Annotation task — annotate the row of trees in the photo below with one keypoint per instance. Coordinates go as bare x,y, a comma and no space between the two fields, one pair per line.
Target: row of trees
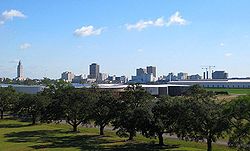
196,116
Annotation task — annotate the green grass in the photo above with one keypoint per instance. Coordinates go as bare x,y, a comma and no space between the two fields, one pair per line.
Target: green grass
20,136
231,90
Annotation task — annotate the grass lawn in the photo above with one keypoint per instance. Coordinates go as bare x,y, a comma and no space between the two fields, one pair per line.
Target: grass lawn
231,90
20,136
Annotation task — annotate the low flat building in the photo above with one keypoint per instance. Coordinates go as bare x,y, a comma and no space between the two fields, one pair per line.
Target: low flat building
33,89
156,90
223,83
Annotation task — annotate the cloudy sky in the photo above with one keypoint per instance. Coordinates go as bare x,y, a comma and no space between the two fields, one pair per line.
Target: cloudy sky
51,37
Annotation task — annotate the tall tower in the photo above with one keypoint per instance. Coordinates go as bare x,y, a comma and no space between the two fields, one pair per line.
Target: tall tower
94,71
20,75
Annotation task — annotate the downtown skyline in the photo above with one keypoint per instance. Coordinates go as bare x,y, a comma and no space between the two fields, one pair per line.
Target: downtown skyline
172,35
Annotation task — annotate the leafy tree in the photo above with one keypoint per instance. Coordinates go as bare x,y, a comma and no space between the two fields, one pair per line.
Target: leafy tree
206,118
165,113
32,106
132,102
55,91
77,105
239,117
104,109
7,98
69,104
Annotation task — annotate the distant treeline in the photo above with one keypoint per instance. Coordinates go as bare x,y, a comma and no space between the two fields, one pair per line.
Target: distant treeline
195,116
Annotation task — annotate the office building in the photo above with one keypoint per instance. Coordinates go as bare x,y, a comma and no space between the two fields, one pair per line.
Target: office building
67,76
77,79
140,72
182,76
219,75
94,71
194,77
103,76
144,75
151,69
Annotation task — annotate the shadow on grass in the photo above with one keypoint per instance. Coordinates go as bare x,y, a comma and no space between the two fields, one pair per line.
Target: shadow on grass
13,125
43,139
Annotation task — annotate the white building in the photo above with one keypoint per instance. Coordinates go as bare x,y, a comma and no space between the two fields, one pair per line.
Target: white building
226,83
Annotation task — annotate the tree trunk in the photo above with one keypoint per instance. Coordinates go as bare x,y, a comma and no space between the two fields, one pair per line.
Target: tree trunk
33,119
160,137
75,127
209,144
1,114
131,135
102,130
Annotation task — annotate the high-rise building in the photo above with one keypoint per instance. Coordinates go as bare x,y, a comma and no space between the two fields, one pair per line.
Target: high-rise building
182,76
151,69
140,72
20,75
171,77
94,71
67,76
219,75
145,75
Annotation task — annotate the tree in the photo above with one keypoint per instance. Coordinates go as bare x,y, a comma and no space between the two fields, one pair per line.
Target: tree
164,116
69,104
131,104
239,116
32,106
104,109
7,98
77,105
206,118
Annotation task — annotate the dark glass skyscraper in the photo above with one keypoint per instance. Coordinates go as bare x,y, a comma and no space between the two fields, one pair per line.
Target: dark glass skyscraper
94,71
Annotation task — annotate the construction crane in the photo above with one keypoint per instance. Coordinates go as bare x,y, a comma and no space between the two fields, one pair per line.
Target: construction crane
208,70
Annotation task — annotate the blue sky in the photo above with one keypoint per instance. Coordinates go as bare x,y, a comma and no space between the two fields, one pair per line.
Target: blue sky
51,37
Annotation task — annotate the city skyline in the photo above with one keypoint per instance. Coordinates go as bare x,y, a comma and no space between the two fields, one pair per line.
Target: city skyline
174,36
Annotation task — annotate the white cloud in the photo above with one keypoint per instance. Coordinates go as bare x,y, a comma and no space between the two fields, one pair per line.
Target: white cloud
159,22
25,46
144,24
139,25
9,15
176,19
87,31
228,54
